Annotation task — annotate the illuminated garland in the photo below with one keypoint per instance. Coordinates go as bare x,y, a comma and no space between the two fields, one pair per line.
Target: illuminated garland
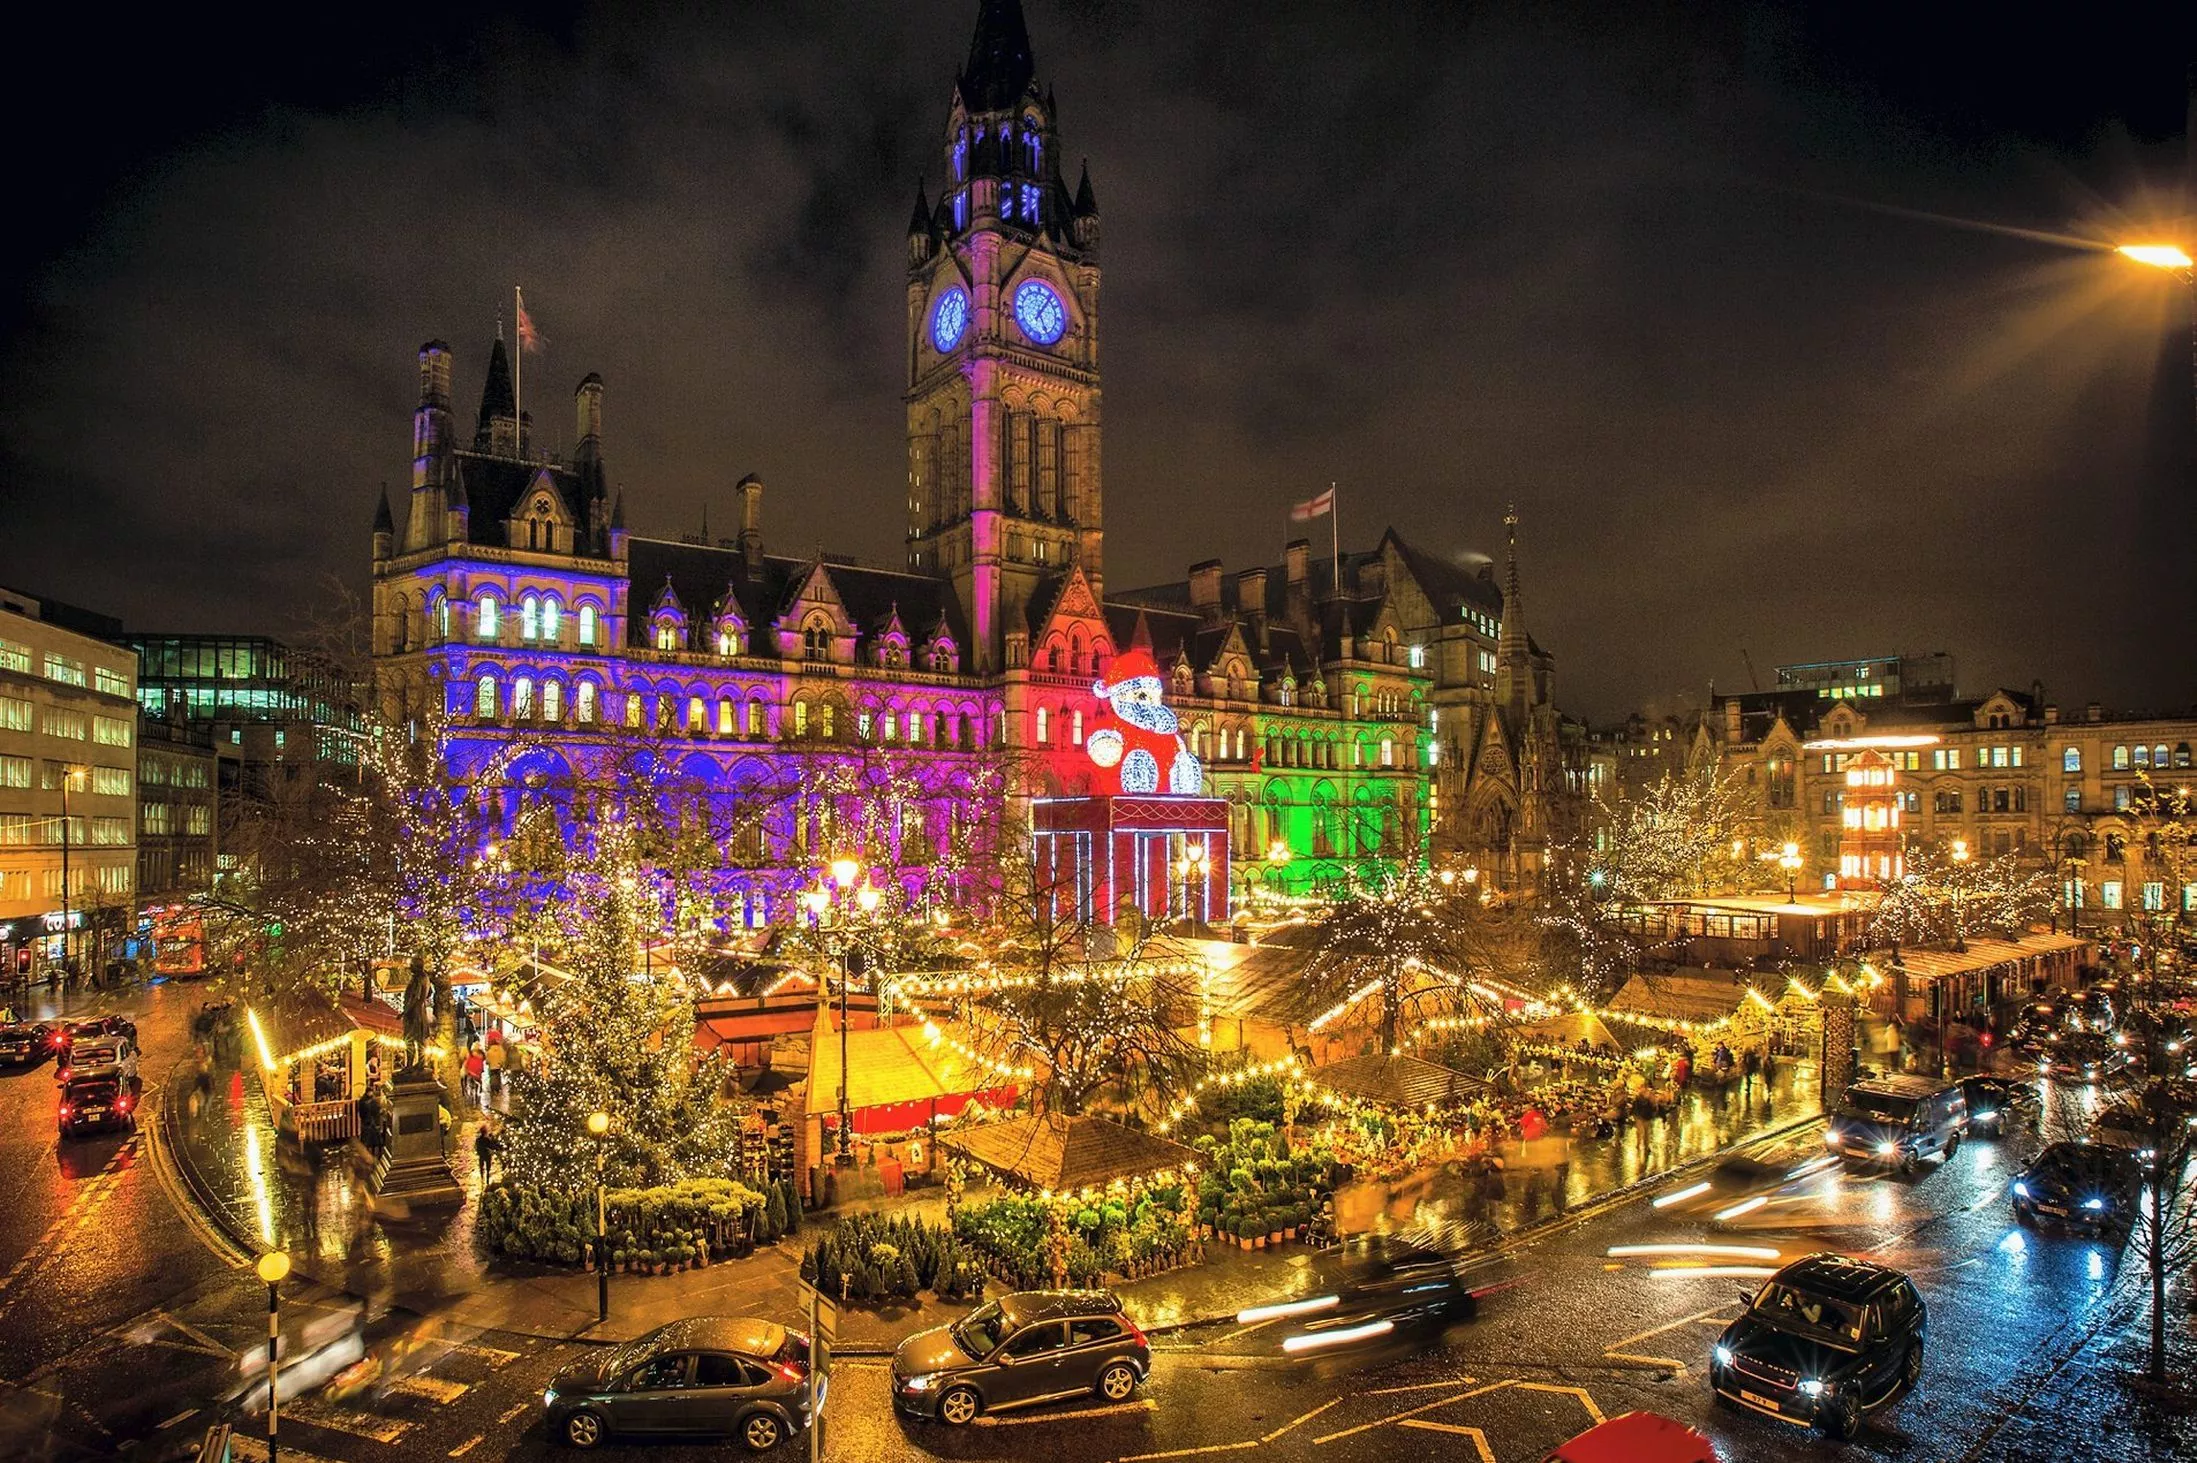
1235,1077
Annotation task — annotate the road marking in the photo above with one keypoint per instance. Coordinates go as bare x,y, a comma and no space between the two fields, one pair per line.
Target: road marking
165,1174
82,1204
184,1416
1579,1392
1479,1438
1672,1363
1307,1417
467,1446
1144,1404
513,1412
254,1450
1417,1387
1365,1427
139,1333
343,1420
434,1389
497,1357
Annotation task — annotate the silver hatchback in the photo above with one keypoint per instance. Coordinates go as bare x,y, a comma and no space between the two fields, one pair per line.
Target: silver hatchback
1029,1347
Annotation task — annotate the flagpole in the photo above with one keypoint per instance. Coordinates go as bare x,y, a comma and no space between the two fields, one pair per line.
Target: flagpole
1335,534
518,407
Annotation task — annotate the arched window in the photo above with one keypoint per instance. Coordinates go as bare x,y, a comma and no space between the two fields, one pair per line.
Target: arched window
552,617
2143,756
667,635
728,642
724,716
522,698
438,617
530,618
697,716
755,721
1075,727
553,701
1041,724
633,711
2159,755
484,616
587,625
915,728
484,698
831,721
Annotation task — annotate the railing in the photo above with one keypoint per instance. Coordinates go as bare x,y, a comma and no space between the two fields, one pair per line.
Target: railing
325,1122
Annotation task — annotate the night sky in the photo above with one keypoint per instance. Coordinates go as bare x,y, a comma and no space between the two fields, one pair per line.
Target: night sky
1687,281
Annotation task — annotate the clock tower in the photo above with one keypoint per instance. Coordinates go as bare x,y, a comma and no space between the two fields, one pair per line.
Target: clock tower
1003,379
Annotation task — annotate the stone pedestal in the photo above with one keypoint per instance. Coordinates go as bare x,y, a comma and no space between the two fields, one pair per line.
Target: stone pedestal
418,1173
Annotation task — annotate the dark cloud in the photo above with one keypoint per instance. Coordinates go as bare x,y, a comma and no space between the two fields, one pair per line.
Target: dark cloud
1672,277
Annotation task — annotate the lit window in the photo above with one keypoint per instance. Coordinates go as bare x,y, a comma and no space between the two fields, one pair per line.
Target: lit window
442,619
522,698
2072,798
1041,724
667,635
484,616
583,703
915,727
2120,759
800,718
633,711
587,625
2153,896
484,696
2120,798
697,716
724,716
1388,752
892,726
552,616
530,618
1418,657
2109,893
862,725
830,722
2071,759
728,643
754,724
553,696
1075,728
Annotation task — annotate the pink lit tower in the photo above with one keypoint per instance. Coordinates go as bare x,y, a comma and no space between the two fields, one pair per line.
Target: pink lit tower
1003,371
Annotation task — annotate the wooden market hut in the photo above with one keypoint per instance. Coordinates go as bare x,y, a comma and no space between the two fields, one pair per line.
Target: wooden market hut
1062,1154
1565,1032
316,1057
1399,1082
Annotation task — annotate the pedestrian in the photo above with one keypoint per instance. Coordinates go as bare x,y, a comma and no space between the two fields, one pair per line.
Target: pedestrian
1682,1070
1749,1065
485,1147
475,1065
496,1060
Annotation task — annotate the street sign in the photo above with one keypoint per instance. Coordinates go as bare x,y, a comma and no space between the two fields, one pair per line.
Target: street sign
823,1312
823,1322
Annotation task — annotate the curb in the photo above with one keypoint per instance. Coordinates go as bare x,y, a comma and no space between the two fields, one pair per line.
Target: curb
200,1207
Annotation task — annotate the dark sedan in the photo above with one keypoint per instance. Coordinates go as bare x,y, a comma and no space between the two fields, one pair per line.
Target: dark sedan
24,1043
2088,1188
2000,1105
707,1375
95,1104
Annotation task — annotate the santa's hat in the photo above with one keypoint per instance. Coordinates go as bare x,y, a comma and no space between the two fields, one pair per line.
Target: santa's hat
1133,664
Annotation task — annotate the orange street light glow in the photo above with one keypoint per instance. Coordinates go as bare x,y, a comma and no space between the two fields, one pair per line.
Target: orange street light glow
2158,256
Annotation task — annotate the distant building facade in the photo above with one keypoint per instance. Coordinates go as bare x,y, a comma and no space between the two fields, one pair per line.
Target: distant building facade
1344,709
68,782
178,833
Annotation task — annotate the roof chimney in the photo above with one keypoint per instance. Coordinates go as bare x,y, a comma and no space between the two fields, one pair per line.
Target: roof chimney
1205,588
2093,712
751,523
1251,593
1297,555
1734,730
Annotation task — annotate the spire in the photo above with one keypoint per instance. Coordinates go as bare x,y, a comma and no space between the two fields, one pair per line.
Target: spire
919,227
384,520
498,401
1140,634
1000,65
1086,200
618,513
1514,662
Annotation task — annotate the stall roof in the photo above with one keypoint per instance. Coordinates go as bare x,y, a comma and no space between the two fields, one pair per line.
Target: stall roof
1680,997
1063,1154
889,1066
1567,1029
1984,954
1398,1081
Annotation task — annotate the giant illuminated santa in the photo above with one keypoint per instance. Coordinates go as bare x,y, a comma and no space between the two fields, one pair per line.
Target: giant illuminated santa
1145,753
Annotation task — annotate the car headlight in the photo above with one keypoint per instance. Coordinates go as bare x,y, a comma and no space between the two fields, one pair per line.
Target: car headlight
2021,1190
1723,1355
549,1398
1985,1117
2093,1203
1886,1150
1810,1387
922,1383
1830,1139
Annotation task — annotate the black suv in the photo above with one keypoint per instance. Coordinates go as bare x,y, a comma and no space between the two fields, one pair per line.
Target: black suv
1028,1347
24,1043
1897,1122
101,1103
1826,1339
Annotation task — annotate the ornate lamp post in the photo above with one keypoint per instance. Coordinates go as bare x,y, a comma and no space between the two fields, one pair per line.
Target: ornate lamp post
1190,866
273,1266
598,1128
1788,859
827,903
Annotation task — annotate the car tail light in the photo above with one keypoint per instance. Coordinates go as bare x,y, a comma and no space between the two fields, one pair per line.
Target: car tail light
791,1372
122,1104
64,1109
1136,1331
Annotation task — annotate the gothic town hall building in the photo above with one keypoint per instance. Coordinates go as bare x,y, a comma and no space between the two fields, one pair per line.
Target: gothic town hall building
1356,714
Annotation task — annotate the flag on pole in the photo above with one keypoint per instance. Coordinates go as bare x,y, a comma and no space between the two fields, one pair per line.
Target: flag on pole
530,339
1304,512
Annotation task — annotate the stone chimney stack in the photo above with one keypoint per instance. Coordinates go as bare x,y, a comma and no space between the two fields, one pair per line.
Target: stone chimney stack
1205,589
1734,729
423,523
1251,593
751,523
587,409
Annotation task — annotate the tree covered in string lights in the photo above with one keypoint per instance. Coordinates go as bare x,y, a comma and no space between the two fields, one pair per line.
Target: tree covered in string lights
1942,898
1409,940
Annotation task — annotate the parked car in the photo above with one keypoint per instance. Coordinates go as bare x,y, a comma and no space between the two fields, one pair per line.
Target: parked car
24,1043
710,1375
2085,1188
67,1033
1896,1122
103,1102
1636,1437
1824,1340
1025,1348
1999,1105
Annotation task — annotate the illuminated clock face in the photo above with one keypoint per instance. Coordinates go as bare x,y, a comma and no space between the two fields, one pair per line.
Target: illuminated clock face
950,319
1039,312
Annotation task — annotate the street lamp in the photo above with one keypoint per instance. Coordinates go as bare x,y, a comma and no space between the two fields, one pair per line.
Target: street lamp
2176,262
1960,939
824,902
1191,865
1788,859
272,1267
598,1128
70,778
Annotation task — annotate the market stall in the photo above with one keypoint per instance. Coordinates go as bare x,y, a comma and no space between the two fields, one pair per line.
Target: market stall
317,1057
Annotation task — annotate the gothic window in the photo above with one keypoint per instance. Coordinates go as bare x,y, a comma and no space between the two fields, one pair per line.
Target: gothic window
800,718
754,725
530,618
961,163
1041,726
724,716
728,642
862,724
697,716
484,616
552,618
1029,202
587,625
961,210
915,728
484,698
522,698
667,634
892,727
1075,728
829,729
553,696
583,707
1033,145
